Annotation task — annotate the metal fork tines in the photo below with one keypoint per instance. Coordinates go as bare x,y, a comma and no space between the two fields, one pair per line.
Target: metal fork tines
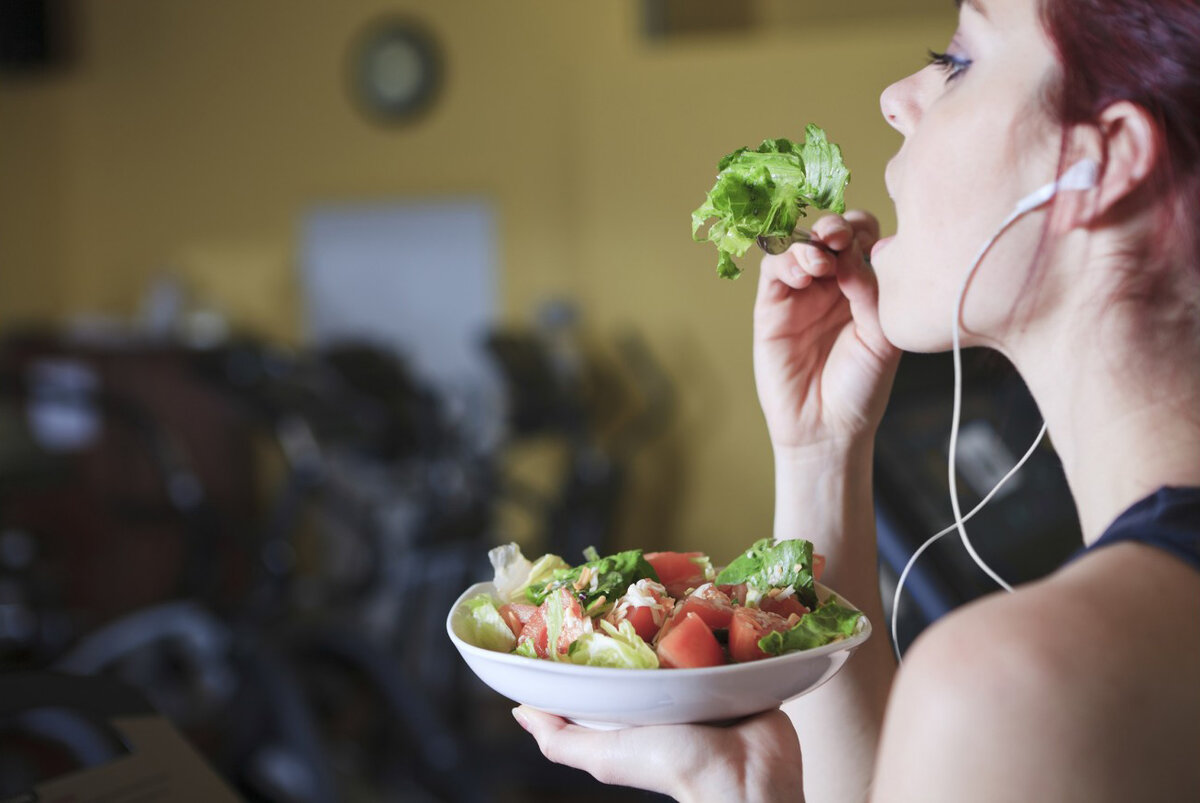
777,245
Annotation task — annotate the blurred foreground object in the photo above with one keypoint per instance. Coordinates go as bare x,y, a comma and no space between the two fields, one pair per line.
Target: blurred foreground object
92,738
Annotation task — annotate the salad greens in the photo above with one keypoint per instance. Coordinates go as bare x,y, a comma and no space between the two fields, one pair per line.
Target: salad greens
555,616
485,626
599,582
828,622
587,614
765,191
619,647
766,565
514,574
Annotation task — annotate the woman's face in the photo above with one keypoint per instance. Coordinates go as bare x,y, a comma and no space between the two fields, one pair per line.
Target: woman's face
976,140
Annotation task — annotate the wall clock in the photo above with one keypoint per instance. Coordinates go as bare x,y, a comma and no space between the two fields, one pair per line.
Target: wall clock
396,70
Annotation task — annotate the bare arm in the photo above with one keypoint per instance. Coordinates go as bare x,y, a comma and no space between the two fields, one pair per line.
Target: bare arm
826,497
824,371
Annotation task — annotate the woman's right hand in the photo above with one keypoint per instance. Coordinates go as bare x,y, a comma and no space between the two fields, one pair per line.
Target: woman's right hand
821,362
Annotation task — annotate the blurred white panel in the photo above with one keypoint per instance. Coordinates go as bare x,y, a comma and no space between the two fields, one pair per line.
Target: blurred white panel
419,277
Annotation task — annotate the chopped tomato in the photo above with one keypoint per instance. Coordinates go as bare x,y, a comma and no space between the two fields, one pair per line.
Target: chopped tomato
784,606
645,606
690,644
535,631
736,593
818,567
748,626
642,619
678,571
710,604
574,624
517,615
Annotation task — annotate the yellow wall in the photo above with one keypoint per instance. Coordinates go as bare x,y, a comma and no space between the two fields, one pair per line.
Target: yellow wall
193,135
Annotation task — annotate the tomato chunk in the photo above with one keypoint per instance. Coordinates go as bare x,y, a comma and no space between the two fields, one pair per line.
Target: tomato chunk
645,606
642,619
678,571
818,567
535,631
689,645
748,626
784,606
574,624
735,593
516,615
710,604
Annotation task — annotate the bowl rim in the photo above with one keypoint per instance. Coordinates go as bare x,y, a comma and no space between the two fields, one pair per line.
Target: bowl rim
861,634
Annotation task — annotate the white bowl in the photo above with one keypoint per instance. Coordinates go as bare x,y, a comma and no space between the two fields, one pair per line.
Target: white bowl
614,698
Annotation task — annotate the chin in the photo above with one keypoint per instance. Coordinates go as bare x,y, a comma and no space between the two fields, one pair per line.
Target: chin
914,308
909,327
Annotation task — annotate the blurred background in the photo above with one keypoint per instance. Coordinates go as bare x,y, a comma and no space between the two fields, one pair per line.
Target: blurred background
306,305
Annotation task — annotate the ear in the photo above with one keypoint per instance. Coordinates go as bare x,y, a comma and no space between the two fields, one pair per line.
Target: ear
1126,144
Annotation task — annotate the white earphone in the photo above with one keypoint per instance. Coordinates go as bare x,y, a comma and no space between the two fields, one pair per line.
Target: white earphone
1082,175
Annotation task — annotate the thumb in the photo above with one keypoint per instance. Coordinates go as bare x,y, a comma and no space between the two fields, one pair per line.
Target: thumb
858,283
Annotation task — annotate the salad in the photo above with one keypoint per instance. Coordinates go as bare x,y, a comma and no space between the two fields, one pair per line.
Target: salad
763,193
645,610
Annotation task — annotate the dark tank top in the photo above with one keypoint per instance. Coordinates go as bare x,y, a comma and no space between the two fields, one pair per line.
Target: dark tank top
1168,519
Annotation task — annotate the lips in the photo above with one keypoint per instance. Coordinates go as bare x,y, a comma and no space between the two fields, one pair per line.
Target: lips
887,177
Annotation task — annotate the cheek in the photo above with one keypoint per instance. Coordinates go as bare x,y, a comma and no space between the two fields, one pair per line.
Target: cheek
943,221
920,280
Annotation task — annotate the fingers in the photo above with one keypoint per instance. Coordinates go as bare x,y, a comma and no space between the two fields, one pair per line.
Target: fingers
860,286
755,759
603,754
559,741
794,269
866,228
849,237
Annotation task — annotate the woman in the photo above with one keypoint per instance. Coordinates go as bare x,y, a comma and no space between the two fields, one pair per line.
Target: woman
1082,686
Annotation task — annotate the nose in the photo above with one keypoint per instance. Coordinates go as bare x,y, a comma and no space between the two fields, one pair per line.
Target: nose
899,104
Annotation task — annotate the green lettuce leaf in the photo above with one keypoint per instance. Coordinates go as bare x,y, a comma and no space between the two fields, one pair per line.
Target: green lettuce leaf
544,568
764,192
513,573
825,174
830,622
606,578
766,565
618,647
485,627
526,649
553,611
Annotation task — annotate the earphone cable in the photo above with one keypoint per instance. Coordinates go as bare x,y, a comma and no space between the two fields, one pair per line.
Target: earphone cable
959,519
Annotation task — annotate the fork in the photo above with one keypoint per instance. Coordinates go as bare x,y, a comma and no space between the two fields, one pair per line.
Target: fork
777,245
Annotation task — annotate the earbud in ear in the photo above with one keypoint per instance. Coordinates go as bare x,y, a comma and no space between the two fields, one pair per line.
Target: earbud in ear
1080,176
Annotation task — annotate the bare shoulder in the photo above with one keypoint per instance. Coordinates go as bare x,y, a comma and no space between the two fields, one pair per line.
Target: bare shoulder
1084,686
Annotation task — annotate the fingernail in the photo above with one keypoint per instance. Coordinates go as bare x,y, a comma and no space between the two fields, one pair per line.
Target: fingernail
797,273
519,716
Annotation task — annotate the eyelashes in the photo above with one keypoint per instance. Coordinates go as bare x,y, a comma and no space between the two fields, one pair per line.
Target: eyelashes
953,66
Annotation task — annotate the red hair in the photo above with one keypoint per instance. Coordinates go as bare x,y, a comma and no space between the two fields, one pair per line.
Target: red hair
1146,52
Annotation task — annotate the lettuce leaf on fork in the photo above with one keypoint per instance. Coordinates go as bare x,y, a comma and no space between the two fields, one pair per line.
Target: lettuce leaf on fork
764,192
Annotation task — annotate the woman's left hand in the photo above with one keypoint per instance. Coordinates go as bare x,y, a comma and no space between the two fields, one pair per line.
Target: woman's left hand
757,759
